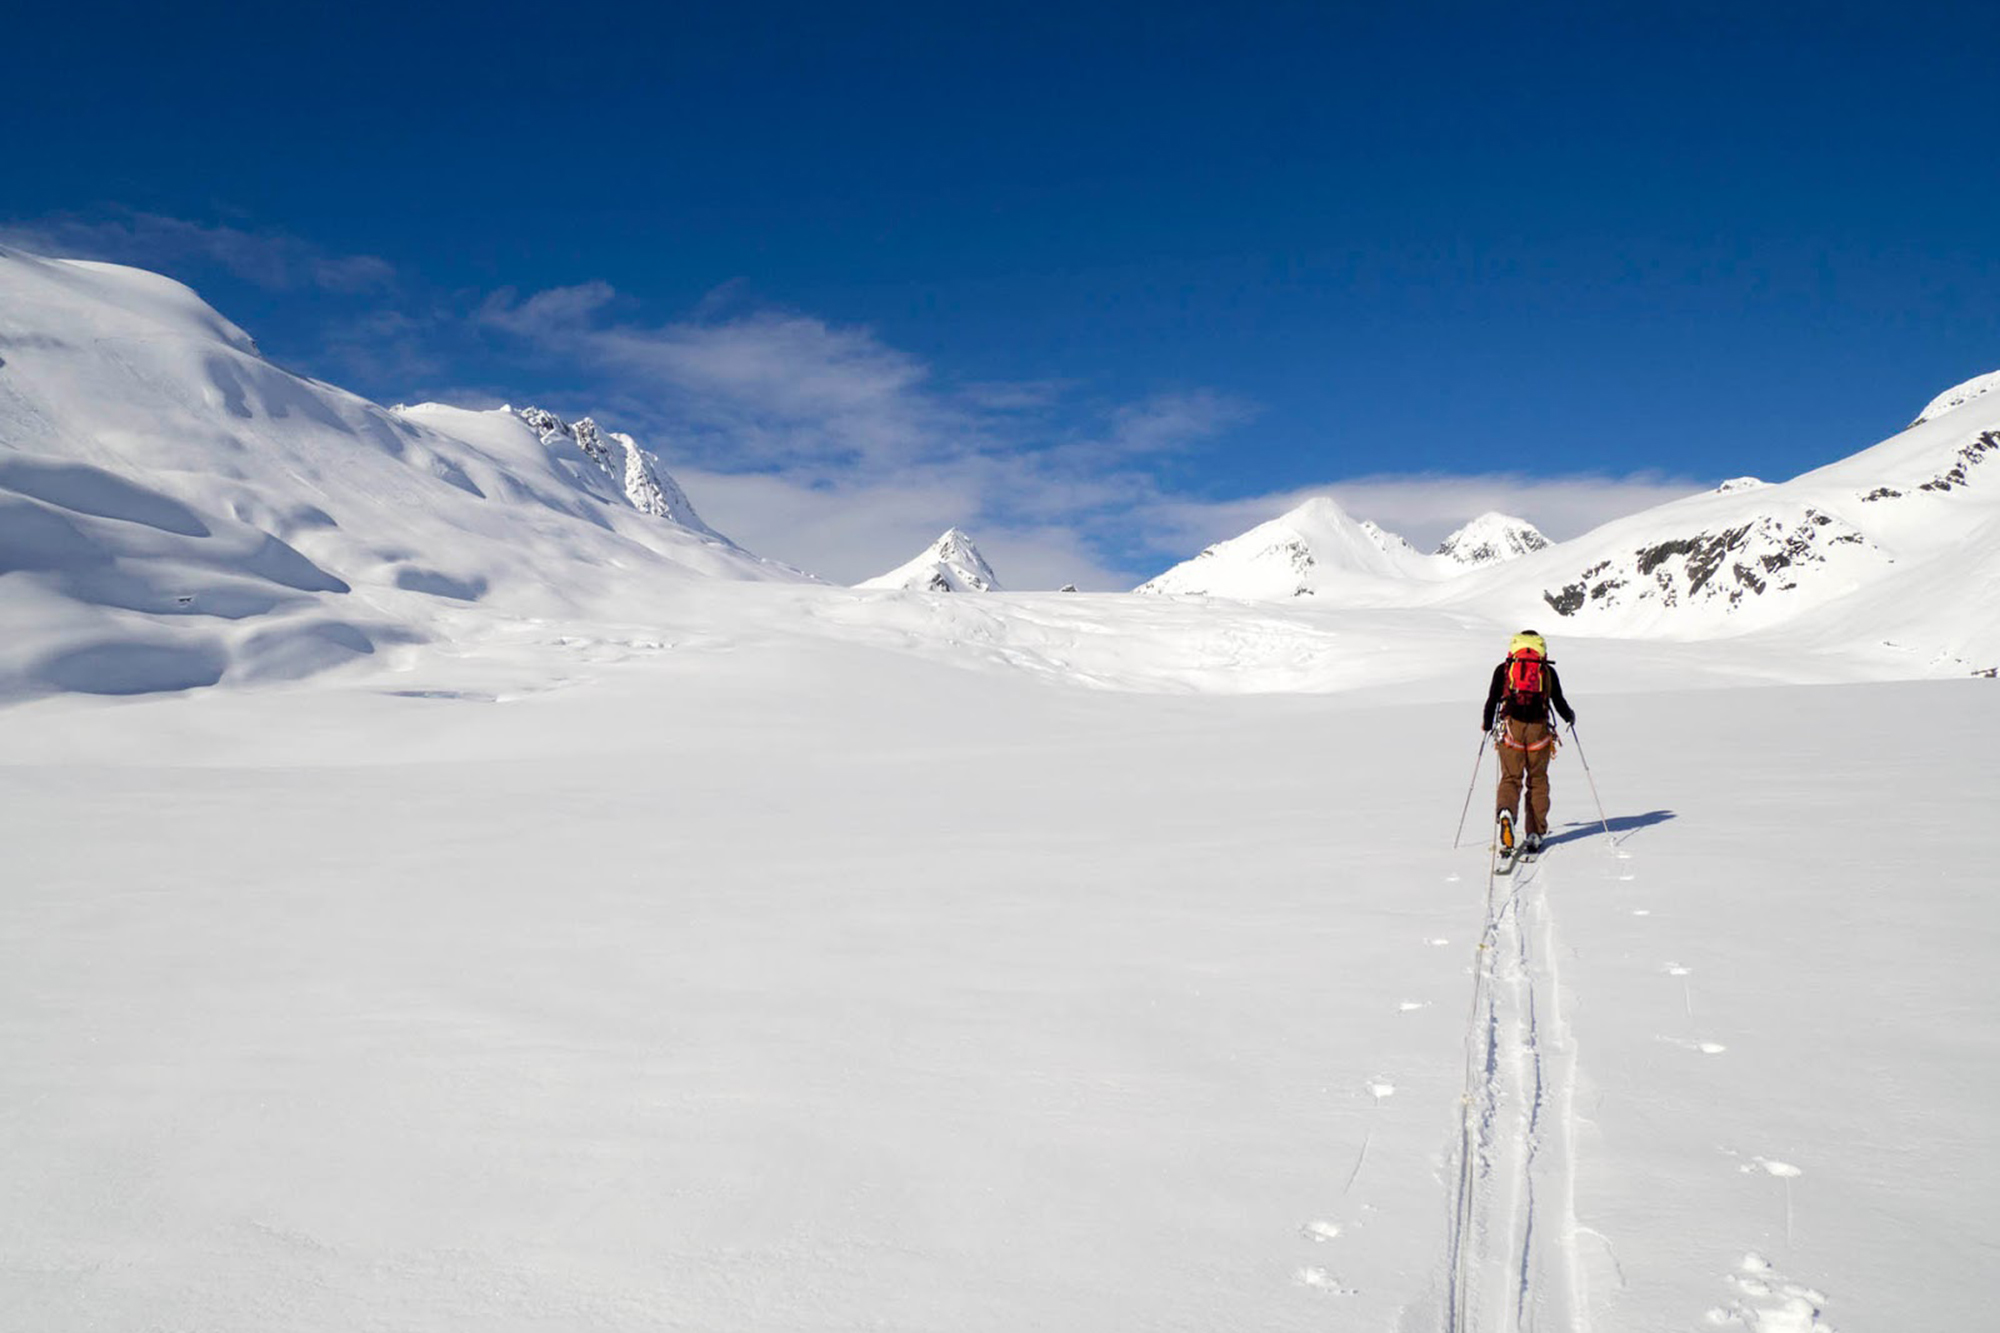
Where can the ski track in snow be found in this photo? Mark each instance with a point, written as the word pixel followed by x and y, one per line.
pixel 1511 1260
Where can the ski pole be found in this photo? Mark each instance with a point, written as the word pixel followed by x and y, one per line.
pixel 1477 755
pixel 1578 742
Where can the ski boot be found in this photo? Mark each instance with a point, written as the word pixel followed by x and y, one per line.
pixel 1503 836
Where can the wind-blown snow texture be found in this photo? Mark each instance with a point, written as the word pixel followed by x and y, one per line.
pixel 584 923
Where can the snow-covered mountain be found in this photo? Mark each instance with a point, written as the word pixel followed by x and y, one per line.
pixel 1319 550
pixel 1491 539
pixel 1897 546
pixel 1314 549
pixel 1895 549
pixel 952 563
pixel 176 510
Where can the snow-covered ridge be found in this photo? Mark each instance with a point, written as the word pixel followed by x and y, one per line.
pixel 1896 546
pixel 950 564
pixel 648 488
pixel 1719 564
pixel 1958 396
pixel 1490 539
pixel 176 511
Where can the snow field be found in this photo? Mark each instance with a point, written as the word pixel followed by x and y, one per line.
pixel 785 982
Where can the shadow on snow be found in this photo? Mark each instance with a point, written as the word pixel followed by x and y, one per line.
pixel 1577 830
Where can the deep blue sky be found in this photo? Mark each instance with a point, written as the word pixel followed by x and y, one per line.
pixel 1703 241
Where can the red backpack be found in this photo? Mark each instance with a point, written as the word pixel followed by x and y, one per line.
pixel 1526 680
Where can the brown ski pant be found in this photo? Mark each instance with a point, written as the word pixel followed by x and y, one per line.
pixel 1525 749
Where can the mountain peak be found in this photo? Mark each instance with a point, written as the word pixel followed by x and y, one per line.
pixel 952 563
pixel 633 470
pixel 1491 538
pixel 1958 395
pixel 1309 549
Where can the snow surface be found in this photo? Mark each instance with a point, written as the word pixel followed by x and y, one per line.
pixel 768 975
pixel 952 563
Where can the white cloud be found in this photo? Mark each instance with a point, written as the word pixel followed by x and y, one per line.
pixel 852 532
pixel 1426 508
pixel 827 448
pixel 272 260
pixel 1172 421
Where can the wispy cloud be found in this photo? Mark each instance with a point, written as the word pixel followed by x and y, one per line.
pixel 766 389
pixel 827 447
pixel 273 260
pixel 1173 421
pixel 824 446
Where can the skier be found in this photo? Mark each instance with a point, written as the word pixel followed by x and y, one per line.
pixel 1524 688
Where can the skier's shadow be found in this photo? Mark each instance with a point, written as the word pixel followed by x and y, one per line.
pixel 1623 824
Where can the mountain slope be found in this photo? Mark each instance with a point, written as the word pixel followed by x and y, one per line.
pixel 175 510
pixel 1897 546
pixel 951 564
pixel 1892 554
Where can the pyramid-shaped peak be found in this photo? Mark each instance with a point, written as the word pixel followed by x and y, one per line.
pixel 952 563
pixel 1314 547
pixel 1317 509
pixel 1491 538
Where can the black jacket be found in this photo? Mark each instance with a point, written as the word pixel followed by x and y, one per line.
pixel 1553 695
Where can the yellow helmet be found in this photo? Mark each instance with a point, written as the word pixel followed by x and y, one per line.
pixel 1527 638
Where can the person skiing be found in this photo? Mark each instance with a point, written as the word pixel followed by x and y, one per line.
pixel 1525 687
